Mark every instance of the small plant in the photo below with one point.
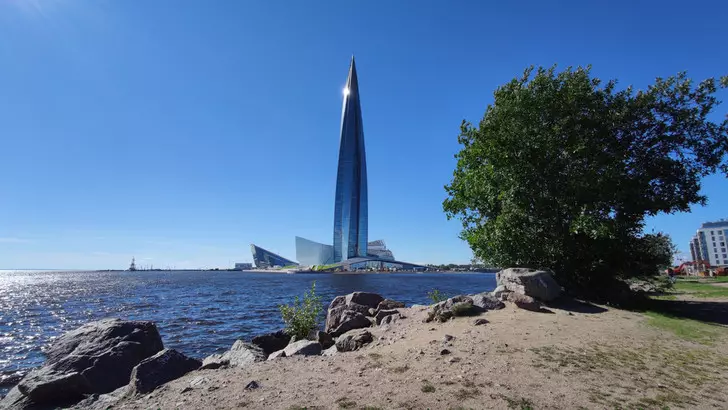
(428, 388)
(436, 296)
(345, 403)
(302, 317)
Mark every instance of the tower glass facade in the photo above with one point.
(350, 207)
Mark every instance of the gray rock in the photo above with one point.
(275, 355)
(331, 351)
(350, 320)
(500, 292)
(240, 355)
(322, 337)
(159, 369)
(455, 306)
(370, 300)
(444, 352)
(448, 338)
(384, 313)
(95, 358)
(252, 385)
(104, 401)
(388, 304)
(353, 340)
(303, 348)
(524, 302)
(537, 284)
(487, 302)
(480, 321)
(272, 342)
(386, 320)
(359, 302)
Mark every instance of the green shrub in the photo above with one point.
(302, 316)
(436, 296)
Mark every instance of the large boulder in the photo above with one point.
(240, 355)
(452, 307)
(350, 320)
(486, 301)
(353, 340)
(159, 369)
(537, 284)
(359, 302)
(96, 358)
(303, 348)
(272, 342)
(500, 292)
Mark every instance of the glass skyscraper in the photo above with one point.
(351, 248)
(350, 207)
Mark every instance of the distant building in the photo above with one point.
(243, 266)
(267, 259)
(709, 243)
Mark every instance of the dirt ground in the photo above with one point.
(576, 356)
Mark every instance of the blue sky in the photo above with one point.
(181, 131)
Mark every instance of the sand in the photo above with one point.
(577, 356)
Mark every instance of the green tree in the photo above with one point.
(302, 316)
(563, 169)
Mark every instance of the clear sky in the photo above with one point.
(181, 131)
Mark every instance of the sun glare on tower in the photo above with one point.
(346, 90)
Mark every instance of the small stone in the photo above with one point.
(570, 314)
(252, 385)
(444, 352)
(186, 389)
(454, 359)
(449, 338)
(480, 321)
(421, 352)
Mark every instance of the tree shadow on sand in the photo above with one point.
(576, 306)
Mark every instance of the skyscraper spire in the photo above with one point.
(351, 217)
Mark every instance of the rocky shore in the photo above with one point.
(520, 346)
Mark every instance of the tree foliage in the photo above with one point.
(302, 317)
(563, 169)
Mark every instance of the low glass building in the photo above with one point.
(267, 259)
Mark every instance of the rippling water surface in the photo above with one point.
(198, 313)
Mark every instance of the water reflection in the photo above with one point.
(198, 313)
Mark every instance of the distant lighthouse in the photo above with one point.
(132, 267)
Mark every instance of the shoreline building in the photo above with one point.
(709, 244)
(351, 247)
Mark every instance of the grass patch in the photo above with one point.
(428, 388)
(683, 373)
(701, 289)
(399, 369)
(345, 403)
(520, 404)
(464, 394)
(687, 329)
